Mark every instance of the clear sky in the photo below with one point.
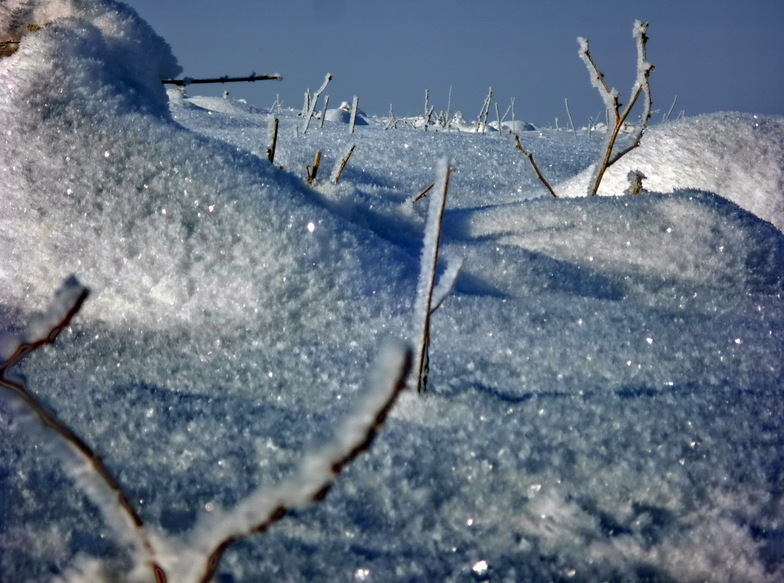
(713, 54)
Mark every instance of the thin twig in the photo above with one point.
(343, 163)
(423, 304)
(249, 79)
(613, 104)
(423, 194)
(273, 139)
(312, 171)
(83, 450)
(530, 157)
(318, 473)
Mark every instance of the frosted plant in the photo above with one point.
(612, 103)
(337, 171)
(635, 178)
(353, 120)
(195, 558)
(272, 136)
(77, 458)
(324, 111)
(428, 297)
(481, 123)
(310, 102)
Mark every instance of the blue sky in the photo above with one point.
(714, 55)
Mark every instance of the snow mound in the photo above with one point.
(160, 222)
(639, 240)
(343, 115)
(221, 104)
(737, 156)
(140, 57)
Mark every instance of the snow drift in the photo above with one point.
(738, 156)
(605, 384)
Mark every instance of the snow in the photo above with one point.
(604, 397)
(736, 155)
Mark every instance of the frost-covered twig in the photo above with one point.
(317, 471)
(311, 103)
(447, 116)
(324, 111)
(612, 103)
(428, 110)
(424, 301)
(569, 115)
(481, 123)
(78, 458)
(539, 174)
(669, 111)
(341, 165)
(353, 119)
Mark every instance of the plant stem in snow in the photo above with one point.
(423, 194)
(612, 103)
(312, 103)
(482, 121)
(669, 111)
(317, 471)
(336, 173)
(312, 171)
(530, 157)
(272, 137)
(448, 106)
(569, 114)
(354, 108)
(324, 111)
(423, 303)
(78, 459)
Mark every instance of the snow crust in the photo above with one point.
(605, 380)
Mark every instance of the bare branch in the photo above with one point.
(530, 157)
(249, 79)
(423, 303)
(612, 103)
(68, 301)
(339, 169)
(312, 103)
(312, 171)
(317, 472)
(423, 194)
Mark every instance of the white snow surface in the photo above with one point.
(605, 381)
(738, 156)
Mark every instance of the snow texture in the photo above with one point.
(738, 156)
(605, 379)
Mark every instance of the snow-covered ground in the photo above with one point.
(605, 385)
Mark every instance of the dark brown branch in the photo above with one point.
(423, 194)
(343, 164)
(530, 157)
(320, 489)
(77, 443)
(312, 171)
(250, 79)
